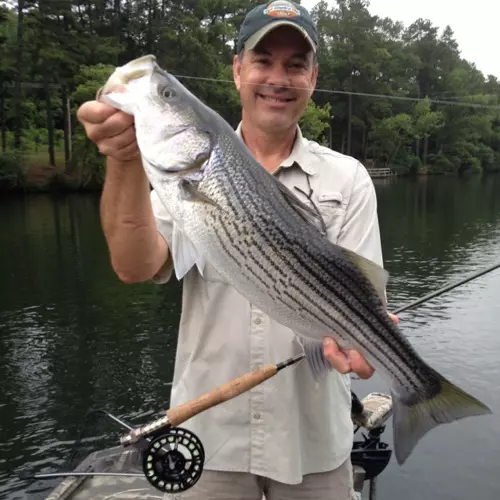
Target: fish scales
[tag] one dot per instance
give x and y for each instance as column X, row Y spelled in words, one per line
column 231, row 214
column 232, row 175
column 324, row 284
column 235, row 177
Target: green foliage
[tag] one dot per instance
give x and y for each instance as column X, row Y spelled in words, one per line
column 389, row 81
column 35, row 140
column 11, row 171
column 426, row 122
column 390, row 138
column 88, row 80
column 314, row 122
column 87, row 165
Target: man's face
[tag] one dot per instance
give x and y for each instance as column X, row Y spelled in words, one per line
column 276, row 79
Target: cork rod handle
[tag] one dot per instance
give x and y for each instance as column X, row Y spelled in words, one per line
column 224, row 392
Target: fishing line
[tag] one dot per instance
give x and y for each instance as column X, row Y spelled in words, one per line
column 84, row 424
column 314, row 89
column 346, row 92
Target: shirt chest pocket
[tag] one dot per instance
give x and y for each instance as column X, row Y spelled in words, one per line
column 330, row 200
column 331, row 207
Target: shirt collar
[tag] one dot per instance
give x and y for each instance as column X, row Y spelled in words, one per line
column 298, row 156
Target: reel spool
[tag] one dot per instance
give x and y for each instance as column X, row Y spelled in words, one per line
column 173, row 462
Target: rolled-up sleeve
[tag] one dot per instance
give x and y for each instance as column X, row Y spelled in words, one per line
column 360, row 231
column 164, row 224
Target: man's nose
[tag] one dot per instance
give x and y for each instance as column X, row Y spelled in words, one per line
column 278, row 76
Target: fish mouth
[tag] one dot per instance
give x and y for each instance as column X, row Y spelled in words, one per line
column 124, row 75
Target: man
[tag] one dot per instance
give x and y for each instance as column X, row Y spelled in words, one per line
column 291, row 437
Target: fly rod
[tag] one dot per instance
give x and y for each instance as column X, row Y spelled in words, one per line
column 176, row 416
column 174, row 457
column 445, row 288
column 313, row 353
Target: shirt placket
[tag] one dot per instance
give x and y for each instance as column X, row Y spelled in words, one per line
column 258, row 326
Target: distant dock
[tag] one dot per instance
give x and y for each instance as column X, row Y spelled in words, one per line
column 376, row 173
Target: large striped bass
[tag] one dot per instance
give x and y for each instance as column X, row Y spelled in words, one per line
column 230, row 213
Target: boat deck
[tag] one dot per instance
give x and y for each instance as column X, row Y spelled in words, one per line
column 108, row 487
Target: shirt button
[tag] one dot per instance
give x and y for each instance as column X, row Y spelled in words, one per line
column 257, row 321
column 257, row 416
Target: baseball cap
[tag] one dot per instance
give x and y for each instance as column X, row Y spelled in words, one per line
column 266, row 17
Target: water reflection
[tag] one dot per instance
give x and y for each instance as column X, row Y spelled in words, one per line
column 435, row 231
column 72, row 337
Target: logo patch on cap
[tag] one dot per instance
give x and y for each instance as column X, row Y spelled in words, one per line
column 281, row 8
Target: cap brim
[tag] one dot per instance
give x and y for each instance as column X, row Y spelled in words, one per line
column 252, row 42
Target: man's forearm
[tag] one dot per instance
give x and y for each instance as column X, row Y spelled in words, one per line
column 137, row 249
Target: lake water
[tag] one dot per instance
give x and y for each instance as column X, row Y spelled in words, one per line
column 73, row 337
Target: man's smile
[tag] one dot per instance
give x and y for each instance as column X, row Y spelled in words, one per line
column 275, row 99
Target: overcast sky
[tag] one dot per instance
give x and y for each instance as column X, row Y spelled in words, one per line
column 475, row 24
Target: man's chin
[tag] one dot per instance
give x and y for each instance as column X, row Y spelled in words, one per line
column 275, row 124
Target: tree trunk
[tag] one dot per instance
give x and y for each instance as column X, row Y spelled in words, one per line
column 349, row 125
column 18, row 127
column 117, row 19
column 363, row 144
column 3, row 118
column 67, row 126
column 149, row 32
column 426, row 148
column 50, row 122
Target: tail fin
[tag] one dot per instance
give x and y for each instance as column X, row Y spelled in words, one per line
column 412, row 422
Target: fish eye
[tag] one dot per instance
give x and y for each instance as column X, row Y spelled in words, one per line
column 167, row 92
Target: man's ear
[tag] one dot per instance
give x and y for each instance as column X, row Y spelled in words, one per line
column 237, row 71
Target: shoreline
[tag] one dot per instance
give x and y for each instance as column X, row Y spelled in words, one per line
column 41, row 177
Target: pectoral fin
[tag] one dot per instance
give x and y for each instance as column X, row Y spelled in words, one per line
column 184, row 254
column 190, row 192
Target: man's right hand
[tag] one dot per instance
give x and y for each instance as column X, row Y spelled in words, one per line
column 137, row 249
column 111, row 130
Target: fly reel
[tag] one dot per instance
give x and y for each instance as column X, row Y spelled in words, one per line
column 173, row 461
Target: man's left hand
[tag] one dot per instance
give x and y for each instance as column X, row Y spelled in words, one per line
column 351, row 360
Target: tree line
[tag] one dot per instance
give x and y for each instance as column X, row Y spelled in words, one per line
column 388, row 94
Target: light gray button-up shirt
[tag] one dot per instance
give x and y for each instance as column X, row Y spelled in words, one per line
column 290, row 425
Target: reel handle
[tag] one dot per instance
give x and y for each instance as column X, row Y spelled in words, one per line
column 224, row 392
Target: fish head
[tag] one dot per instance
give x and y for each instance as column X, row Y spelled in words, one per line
column 173, row 127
